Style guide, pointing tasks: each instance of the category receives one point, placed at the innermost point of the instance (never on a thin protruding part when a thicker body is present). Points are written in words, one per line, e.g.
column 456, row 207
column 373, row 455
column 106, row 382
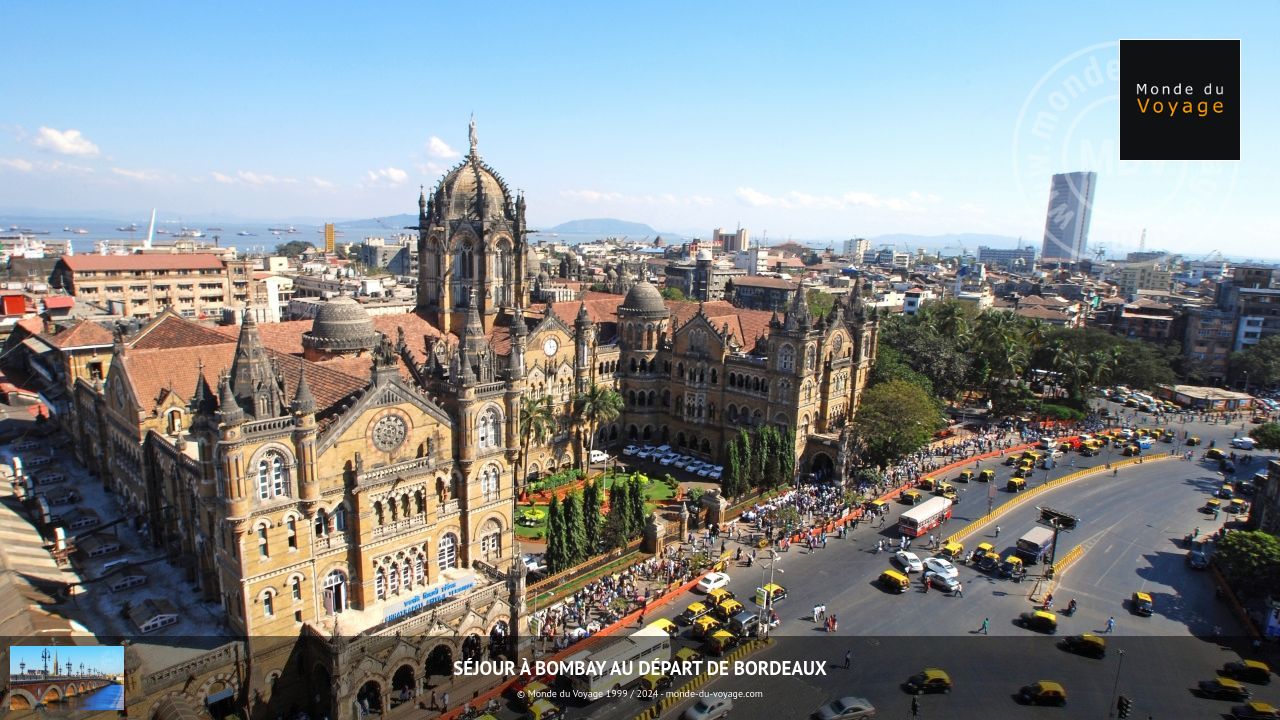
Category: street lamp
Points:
column 1115, row 689
column 767, row 605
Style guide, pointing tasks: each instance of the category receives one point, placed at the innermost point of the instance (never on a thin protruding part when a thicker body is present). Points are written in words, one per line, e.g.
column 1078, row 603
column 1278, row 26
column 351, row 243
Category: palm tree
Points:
column 537, row 423
column 949, row 319
column 597, row 405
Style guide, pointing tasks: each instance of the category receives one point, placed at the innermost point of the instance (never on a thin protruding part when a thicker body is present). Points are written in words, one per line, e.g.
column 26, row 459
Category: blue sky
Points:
column 807, row 121
column 108, row 659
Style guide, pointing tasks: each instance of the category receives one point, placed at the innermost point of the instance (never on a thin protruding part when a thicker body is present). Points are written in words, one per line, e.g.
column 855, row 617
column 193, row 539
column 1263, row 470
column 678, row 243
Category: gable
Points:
column 390, row 393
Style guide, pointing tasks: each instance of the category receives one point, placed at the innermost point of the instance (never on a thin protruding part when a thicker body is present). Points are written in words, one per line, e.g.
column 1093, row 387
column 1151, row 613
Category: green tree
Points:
column 293, row 248
column 596, row 406
column 635, row 508
column 773, row 456
column 592, row 521
column 895, row 419
column 537, row 423
column 617, row 529
column 889, row 365
column 1258, row 363
column 673, row 293
column 1267, row 435
column 575, row 529
column 557, row 559
column 1250, row 561
column 787, row 457
column 731, row 478
column 746, row 457
column 820, row 303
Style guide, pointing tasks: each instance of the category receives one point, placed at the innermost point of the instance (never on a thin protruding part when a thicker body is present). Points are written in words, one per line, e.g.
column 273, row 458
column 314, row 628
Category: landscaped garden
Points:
column 533, row 510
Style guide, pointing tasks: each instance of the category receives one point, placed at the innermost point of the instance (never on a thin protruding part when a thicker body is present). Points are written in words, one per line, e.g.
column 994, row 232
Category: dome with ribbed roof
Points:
column 341, row 326
column 644, row 297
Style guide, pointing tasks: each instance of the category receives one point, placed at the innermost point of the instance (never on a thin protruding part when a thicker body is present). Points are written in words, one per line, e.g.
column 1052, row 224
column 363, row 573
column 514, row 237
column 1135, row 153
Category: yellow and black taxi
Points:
column 1044, row 692
column 728, row 609
column 717, row 596
column 989, row 561
column 531, row 693
column 1221, row 688
column 654, row 683
column 544, row 710
column 1023, row 471
column 770, row 594
column 1012, row 460
column 1086, row 644
column 686, row 655
column 1193, row 441
column 1016, row 483
column 951, row 550
column 948, row 491
column 720, row 642
column 1237, row 506
column 1214, row 454
column 1041, row 621
column 926, row 484
column 1142, row 604
column 964, row 476
column 1255, row 711
column 911, row 497
column 876, row 507
column 695, row 611
column 1224, row 491
column 929, row 680
column 703, row 626
column 1253, row 671
column 666, row 626
column 987, row 475
column 1131, row 450
column 894, row 581
column 1211, row 506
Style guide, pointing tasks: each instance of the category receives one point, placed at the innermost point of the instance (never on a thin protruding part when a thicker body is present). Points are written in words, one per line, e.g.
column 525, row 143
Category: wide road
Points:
column 1129, row 525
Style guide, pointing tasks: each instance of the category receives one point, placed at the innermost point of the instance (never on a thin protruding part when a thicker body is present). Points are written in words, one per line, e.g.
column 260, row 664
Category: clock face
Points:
column 550, row 346
column 389, row 432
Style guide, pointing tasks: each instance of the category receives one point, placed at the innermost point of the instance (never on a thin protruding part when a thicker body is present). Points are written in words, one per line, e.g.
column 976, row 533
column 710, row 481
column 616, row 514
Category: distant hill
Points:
column 970, row 241
column 602, row 226
column 394, row 221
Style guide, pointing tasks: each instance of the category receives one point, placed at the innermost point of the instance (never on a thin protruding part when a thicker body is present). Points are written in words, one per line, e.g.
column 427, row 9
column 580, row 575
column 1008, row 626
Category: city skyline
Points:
column 108, row 659
column 838, row 122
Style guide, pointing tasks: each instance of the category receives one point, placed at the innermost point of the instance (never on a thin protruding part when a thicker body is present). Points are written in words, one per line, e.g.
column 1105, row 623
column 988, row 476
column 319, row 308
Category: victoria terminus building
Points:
column 342, row 489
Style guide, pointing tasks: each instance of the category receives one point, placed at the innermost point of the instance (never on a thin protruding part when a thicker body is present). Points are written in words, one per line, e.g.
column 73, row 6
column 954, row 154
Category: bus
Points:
column 648, row 644
column 924, row 517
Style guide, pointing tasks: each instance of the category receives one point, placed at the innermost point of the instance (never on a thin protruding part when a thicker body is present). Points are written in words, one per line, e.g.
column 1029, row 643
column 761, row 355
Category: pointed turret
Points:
column 304, row 403
column 798, row 317
column 203, row 399
column 229, row 411
column 254, row 379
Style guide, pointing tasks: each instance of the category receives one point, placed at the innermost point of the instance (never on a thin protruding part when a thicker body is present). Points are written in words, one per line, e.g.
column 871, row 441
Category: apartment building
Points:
column 143, row 285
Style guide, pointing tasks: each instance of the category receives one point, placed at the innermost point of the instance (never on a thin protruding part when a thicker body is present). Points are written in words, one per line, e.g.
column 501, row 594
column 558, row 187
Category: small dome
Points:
column 341, row 325
column 704, row 254
column 644, row 297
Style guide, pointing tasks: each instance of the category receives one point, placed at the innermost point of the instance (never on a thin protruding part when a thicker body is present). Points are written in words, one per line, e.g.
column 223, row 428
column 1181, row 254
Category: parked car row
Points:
column 665, row 456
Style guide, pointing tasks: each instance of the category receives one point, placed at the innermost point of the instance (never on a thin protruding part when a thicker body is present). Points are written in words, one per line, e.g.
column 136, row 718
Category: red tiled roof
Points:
column 762, row 281
column 1040, row 312
column 83, row 334
column 33, row 325
column 150, row 261
column 59, row 302
column 601, row 308
column 285, row 337
column 744, row 325
column 169, row 330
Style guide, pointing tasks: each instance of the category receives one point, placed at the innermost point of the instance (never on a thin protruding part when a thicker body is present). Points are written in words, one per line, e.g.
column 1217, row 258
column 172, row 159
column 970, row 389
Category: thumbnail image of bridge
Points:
column 27, row 691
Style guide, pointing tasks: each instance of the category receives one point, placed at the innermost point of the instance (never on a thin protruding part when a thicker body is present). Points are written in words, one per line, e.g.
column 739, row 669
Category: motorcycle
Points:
column 1071, row 609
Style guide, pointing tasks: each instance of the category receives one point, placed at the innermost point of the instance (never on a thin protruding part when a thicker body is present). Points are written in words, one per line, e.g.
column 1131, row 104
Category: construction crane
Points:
column 1100, row 253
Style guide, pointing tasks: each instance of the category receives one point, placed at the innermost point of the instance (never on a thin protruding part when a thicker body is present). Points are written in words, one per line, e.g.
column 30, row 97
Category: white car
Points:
column 630, row 450
column 664, row 449
column 846, row 708
column 644, row 454
column 1243, row 443
column 599, row 456
column 713, row 581
column 680, row 461
column 941, row 566
column 715, row 474
column 668, row 459
column 695, row 466
column 909, row 561
column 709, row 708
column 706, row 471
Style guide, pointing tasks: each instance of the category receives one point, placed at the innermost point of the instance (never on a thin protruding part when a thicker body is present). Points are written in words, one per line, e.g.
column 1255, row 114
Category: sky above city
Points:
column 809, row 121
column 107, row 659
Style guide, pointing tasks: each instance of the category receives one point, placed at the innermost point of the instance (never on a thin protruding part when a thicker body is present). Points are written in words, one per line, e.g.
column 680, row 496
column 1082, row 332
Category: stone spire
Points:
column 304, row 403
column 254, row 380
column 229, row 411
column 798, row 317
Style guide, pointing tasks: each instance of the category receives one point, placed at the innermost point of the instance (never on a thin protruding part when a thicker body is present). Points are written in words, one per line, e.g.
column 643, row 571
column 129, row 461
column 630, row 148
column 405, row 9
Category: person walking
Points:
column 444, row 702
column 1111, row 625
column 959, row 590
column 915, row 707
column 816, row 610
column 997, row 531
column 986, row 626
column 848, row 658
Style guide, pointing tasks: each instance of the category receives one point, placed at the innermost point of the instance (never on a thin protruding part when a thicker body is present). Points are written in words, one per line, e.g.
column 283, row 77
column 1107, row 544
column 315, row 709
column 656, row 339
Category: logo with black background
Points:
column 1179, row 99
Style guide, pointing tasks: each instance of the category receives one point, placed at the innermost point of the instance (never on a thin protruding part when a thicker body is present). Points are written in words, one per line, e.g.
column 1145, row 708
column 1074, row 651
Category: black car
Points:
column 1224, row 689
column 1197, row 560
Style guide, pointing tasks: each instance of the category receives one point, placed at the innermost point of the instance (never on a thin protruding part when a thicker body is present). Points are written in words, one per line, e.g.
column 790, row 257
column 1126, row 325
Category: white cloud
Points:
column 16, row 164
column 322, row 184
column 431, row 169
column 136, row 174
column 259, row 179
column 65, row 142
column 390, row 175
column 660, row 199
column 438, row 148
column 590, row 196
column 224, row 179
column 796, row 200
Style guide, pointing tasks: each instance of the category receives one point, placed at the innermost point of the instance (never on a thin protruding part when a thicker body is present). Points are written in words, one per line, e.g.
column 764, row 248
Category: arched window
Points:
column 447, row 553
column 786, row 358
column 175, row 421
column 466, row 268
column 489, row 429
column 296, row 586
column 491, row 540
column 291, row 531
column 273, row 481
column 263, row 549
column 393, row 580
column 810, row 357
column 419, row 570
column 340, row 518
column 322, row 523
column 380, row 584
column 269, row 603
column 335, row 591
column 713, row 376
column 489, row 483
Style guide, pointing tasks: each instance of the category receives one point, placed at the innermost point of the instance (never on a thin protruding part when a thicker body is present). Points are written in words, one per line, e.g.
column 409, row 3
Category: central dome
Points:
column 341, row 326
column 460, row 187
column 644, row 297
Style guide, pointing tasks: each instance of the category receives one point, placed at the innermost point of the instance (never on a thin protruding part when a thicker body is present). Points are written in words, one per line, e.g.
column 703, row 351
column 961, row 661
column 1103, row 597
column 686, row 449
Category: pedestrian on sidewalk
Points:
column 997, row 531
column 959, row 590
column 444, row 702
column 434, row 705
column 816, row 609
column 986, row 625
column 1111, row 624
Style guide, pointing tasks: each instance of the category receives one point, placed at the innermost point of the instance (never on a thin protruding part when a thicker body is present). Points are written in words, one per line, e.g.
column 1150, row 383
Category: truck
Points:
column 1035, row 544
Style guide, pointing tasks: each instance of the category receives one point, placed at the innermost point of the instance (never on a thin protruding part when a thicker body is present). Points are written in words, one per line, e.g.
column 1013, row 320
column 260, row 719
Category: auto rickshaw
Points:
column 1142, row 604
column 876, row 507
column 989, row 562
column 1012, row 567
column 654, row 683
column 1131, row 450
column 717, row 596
column 1012, row 460
column 1193, row 441
column 1212, row 506
column 894, row 581
column 1087, row 644
column 912, row 497
column 964, row 476
column 687, row 655
column 720, row 642
column 666, row 626
column 544, row 710
column 728, row 609
column 531, row 693
column 1015, row 485
column 1167, row 436
column 1023, row 472
column 695, row 611
column 987, row 475
column 947, row 491
column 1214, row 454
column 926, row 484
column 703, row 626
column 952, row 550
column 770, row 594
column 930, row 680
column 1238, row 507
